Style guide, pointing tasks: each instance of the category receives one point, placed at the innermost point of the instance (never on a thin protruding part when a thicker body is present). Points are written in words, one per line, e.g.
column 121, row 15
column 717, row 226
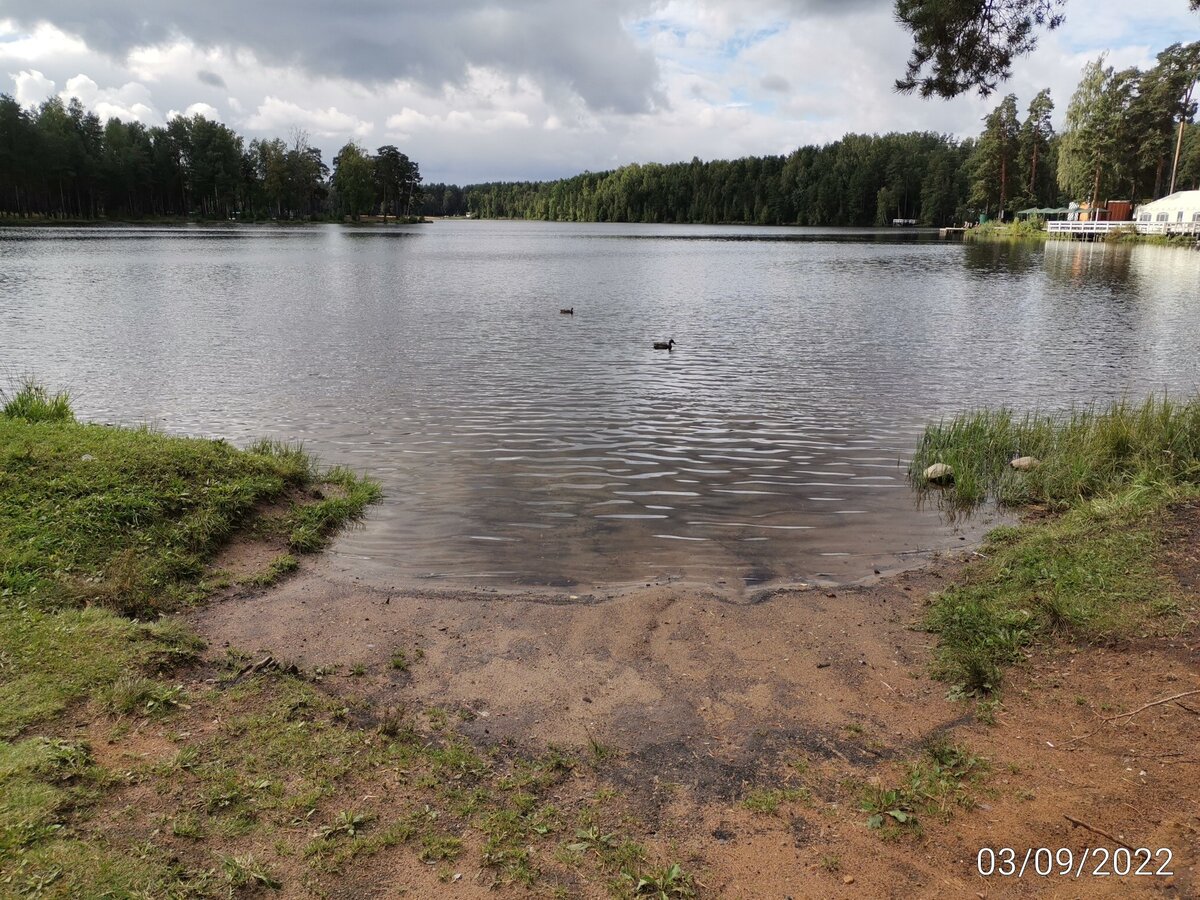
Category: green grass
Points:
column 1089, row 575
column 102, row 530
column 1034, row 228
column 768, row 800
column 1083, row 454
column 1091, row 572
column 282, row 565
column 33, row 403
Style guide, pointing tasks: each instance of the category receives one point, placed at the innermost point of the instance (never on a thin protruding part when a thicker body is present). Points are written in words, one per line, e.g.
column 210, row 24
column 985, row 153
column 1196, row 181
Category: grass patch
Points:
column 101, row 531
column 33, row 403
column 1090, row 572
column 282, row 565
column 664, row 884
column 1083, row 454
column 1022, row 229
column 934, row 784
column 1090, row 575
column 763, row 800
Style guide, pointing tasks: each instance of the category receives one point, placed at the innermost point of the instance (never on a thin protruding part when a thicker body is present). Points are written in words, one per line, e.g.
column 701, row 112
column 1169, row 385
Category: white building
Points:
column 1177, row 212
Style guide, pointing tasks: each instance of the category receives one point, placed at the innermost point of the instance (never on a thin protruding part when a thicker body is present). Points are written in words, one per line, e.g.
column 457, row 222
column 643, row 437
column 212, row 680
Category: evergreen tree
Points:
column 1038, row 186
column 993, row 164
column 1093, row 151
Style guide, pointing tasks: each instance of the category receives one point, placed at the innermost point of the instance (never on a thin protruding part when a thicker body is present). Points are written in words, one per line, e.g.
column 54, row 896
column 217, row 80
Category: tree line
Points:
column 59, row 160
column 859, row 180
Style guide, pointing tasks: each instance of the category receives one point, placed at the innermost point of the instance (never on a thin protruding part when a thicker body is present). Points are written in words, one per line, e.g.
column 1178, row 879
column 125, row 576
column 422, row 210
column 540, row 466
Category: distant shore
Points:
column 48, row 222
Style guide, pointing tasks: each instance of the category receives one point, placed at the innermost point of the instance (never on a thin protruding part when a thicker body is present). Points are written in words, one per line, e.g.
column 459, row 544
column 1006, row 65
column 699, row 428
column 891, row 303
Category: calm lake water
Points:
column 518, row 445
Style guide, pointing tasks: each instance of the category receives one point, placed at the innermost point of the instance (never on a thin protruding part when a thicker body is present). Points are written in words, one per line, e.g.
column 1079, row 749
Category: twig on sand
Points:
column 838, row 753
column 1150, row 704
column 1095, row 830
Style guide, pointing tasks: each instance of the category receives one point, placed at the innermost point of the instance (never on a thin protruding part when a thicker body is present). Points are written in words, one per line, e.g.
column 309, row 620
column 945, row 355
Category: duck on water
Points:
column 664, row 345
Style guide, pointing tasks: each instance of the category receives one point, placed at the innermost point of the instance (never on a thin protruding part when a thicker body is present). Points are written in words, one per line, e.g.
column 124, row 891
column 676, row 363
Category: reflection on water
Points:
column 519, row 445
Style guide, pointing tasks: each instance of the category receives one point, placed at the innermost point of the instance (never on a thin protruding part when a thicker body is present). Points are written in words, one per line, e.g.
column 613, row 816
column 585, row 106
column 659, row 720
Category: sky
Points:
column 481, row 90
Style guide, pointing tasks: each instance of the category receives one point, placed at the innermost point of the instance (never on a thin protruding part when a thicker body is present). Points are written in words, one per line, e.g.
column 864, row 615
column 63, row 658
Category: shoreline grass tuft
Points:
column 31, row 402
column 1082, row 454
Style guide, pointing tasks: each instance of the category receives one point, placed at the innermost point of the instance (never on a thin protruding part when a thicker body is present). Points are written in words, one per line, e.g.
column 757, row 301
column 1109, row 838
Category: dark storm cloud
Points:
column 577, row 45
column 210, row 78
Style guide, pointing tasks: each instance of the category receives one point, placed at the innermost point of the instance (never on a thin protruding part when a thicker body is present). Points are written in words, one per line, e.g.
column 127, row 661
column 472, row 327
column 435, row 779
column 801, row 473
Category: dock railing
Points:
column 1090, row 229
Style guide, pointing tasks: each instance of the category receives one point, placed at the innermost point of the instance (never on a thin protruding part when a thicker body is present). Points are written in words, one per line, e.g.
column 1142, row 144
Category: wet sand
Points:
column 664, row 669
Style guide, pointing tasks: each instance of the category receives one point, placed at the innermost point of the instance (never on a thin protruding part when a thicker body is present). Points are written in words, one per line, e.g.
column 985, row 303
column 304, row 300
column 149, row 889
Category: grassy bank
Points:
column 136, row 762
column 103, row 531
column 1089, row 568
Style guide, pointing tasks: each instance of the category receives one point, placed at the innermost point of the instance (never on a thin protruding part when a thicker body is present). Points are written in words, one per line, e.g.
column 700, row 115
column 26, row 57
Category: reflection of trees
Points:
column 987, row 257
column 1083, row 264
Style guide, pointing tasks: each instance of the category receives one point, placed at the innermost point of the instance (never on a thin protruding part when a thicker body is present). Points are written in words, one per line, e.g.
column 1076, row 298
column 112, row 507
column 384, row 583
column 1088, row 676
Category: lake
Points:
column 519, row 446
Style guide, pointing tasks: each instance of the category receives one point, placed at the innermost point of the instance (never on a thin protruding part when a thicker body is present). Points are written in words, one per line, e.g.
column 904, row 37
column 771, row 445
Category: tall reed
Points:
column 1082, row 454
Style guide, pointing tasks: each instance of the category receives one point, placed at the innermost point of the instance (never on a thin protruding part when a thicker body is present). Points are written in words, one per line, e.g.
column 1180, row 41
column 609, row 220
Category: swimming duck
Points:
column 664, row 345
column 568, row 312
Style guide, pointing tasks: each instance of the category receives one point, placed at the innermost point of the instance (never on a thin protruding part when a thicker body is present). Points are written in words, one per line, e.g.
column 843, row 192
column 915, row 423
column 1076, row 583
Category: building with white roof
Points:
column 1179, row 211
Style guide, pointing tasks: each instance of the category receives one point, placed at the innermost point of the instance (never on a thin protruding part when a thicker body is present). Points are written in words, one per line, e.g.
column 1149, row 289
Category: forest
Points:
column 59, row 160
column 1127, row 134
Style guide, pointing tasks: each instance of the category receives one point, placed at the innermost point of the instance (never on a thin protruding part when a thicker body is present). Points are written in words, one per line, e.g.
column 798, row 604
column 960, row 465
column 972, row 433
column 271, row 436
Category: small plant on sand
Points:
column 136, row 694
column 762, row 800
column 347, row 823
column 440, row 846
column 934, row 784
column 282, row 565
column 247, row 872
column 593, row 840
column 662, row 884
column 600, row 752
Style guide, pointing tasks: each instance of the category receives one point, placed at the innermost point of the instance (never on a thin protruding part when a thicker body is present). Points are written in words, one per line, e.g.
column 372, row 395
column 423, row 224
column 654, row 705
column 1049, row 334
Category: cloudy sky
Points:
column 513, row 89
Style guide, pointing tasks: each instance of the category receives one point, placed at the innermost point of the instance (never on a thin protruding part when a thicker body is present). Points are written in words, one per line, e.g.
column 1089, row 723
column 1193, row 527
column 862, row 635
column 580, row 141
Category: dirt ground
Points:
column 706, row 696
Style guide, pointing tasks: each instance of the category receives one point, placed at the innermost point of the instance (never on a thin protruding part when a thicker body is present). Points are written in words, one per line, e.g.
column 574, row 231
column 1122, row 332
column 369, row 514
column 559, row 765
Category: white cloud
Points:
column 278, row 116
column 43, row 42
column 130, row 101
column 202, row 109
column 31, row 87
